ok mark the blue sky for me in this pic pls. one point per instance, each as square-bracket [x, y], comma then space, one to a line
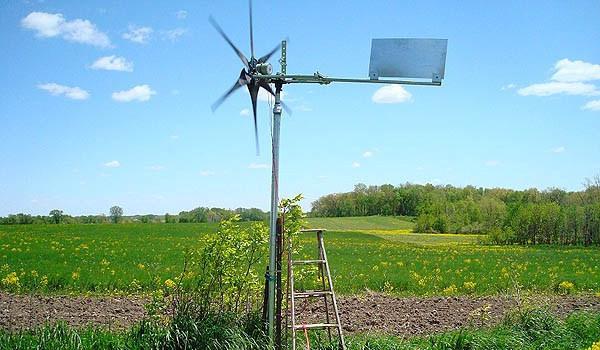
[108, 103]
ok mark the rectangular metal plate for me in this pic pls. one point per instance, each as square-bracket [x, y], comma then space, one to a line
[408, 58]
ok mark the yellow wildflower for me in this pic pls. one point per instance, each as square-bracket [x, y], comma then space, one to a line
[75, 275]
[451, 289]
[11, 280]
[170, 284]
[469, 285]
[566, 287]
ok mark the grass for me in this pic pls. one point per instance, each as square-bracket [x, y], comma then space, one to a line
[361, 223]
[137, 258]
[95, 258]
[528, 330]
[387, 263]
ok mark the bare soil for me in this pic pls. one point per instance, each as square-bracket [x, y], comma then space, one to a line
[367, 313]
[29, 311]
[400, 316]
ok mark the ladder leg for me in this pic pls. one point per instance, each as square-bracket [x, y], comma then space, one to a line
[291, 291]
[335, 308]
[322, 274]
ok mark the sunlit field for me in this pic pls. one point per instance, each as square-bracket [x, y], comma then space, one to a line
[138, 258]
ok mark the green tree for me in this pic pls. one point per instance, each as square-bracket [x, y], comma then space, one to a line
[56, 216]
[116, 213]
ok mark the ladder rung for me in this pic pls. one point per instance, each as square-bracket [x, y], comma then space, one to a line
[315, 325]
[312, 294]
[304, 262]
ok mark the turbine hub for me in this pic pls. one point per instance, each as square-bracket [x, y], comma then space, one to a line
[264, 68]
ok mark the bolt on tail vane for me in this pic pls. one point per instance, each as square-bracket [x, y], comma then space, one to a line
[253, 68]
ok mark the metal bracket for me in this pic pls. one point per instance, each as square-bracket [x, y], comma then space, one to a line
[283, 59]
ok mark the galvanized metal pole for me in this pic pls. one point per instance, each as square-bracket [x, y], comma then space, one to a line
[274, 199]
[274, 207]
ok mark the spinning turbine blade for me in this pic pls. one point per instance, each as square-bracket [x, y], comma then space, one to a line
[266, 57]
[266, 86]
[253, 89]
[242, 80]
[251, 34]
[239, 53]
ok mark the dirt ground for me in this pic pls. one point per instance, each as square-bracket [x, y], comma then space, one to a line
[24, 311]
[367, 313]
[412, 316]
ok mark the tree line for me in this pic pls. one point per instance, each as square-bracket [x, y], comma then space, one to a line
[197, 215]
[552, 216]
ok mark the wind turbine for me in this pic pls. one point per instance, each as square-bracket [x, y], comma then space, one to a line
[420, 60]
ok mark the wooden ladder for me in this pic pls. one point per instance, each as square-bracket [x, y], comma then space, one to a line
[325, 293]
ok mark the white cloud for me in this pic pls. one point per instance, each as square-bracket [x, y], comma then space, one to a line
[303, 108]
[355, 164]
[137, 34]
[367, 154]
[174, 137]
[508, 86]
[156, 167]
[559, 149]
[257, 166]
[48, 25]
[592, 105]
[207, 173]
[391, 94]
[112, 164]
[137, 93]
[181, 14]
[245, 112]
[74, 93]
[492, 163]
[174, 34]
[573, 71]
[555, 87]
[113, 63]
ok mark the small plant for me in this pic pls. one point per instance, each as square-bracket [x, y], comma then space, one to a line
[566, 287]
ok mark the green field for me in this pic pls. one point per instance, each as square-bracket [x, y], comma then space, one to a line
[360, 223]
[136, 258]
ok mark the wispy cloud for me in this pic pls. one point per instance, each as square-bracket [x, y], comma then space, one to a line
[355, 164]
[592, 106]
[508, 86]
[367, 154]
[181, 14]
[555, 87]
[112, 164]
[174, 34]
[245, 112]
[569, 78]
[492, 163]
[156, 167]
[559, 149]
[257, 166]
[572, 71]
[138, 93]
[391, 94]
[113, 62]
[48, 25]
[74, 93]
[207, 173]
[138, 34]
